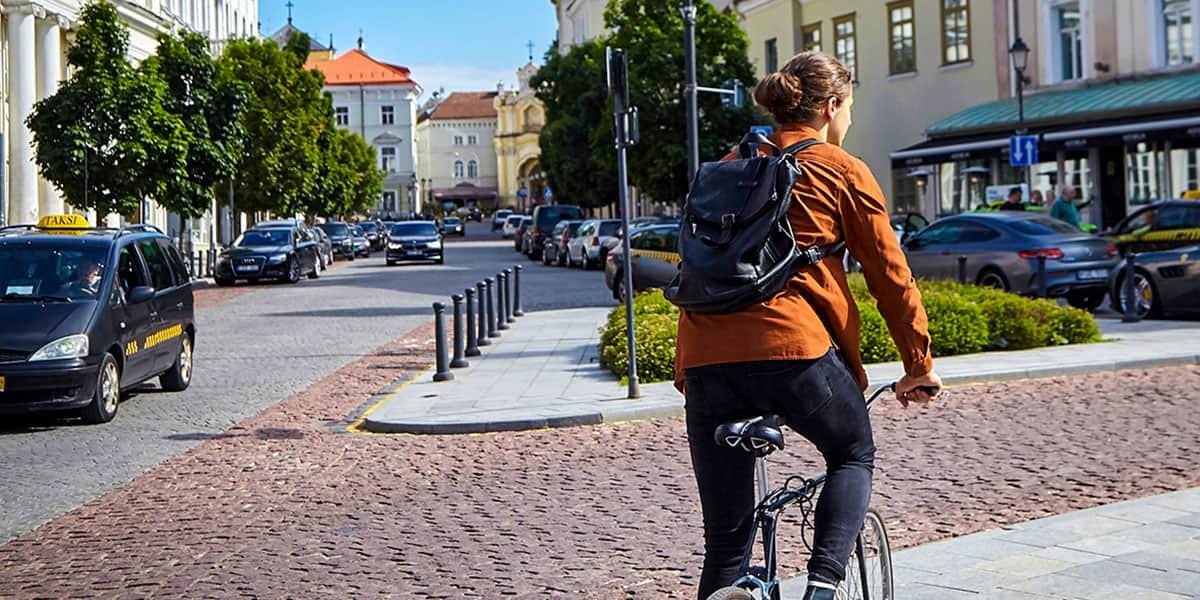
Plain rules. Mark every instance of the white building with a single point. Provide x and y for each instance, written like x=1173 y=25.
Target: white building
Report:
x=378 y=101
x=457 y=159
x=583 y=20
x=35 y=35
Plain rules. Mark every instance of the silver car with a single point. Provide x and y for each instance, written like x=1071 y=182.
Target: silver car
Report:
x=1002 y=251
x=1164 y=282
x=587 y=249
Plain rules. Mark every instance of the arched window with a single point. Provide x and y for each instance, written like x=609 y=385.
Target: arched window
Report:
x=458 y=168
x=472 y=169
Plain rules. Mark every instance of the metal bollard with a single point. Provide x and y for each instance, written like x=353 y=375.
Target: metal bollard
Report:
x=491 y=310
x=962 y=270
x=508 y=303
x=481 y=337
x=458 y=361
x=1130 y=310
x=501 y=301
x=1041 y=276
x=439 y=323
x=517 y=291
x=212 y=260
x=472 y=342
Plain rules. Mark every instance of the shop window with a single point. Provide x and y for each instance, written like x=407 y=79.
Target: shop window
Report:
x=810 y=37
x=901 y=41
x=1177 y=24
x=845 y=43
x=906 y=197
x=1142 y=169
x=1067 y=41
x=1192 y=170
x=771 y=56
x=956 y=31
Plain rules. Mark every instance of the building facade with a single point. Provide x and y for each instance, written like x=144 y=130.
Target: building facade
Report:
x=34 y=37
x=520 y=118
x=378 y=101
x=456 y=164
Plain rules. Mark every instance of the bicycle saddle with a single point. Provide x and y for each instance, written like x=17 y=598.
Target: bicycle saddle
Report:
x=759 y=436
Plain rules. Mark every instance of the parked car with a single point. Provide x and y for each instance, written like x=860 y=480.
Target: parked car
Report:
x=1165 y=282
x=1160 y=226
x=454 y=226
x=325 y=245
x=519 y=233
x=555 y=251
x=545 y=217
x=285 y=253
x=500 y=218
x=907 y=224
x=1002 y=249
x=590 y=247
x=511 y=223
x=341 y=237
x=374 y=232
x=415 y=240
x=654 y=259
x=362 y=246
x=472 y=213
x=89 y=313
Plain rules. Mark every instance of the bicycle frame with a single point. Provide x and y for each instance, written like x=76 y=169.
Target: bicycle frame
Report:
x=766 y=515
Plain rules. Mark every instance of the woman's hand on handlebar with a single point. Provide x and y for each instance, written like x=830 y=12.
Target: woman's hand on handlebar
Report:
x=920 y=389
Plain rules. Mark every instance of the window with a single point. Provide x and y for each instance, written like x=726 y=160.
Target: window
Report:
x=942 y=233
x=1178 y=216
x=901 y=41
x=129 y=271
x=160 y=272
x=472 y=140
x=458 y=140
x=974 y=233
x=845 y=46
x=472 y=170
x=810 y=37
x=387 y=159
x=458 y=168
x=1177 y=31
x=387 y=115
x=1192 y=170
x=175 y=259
x=341 y=116
x=771 y=56
x=905 y=198
x=1068 y=41
x=956 y=31
x=389 y=201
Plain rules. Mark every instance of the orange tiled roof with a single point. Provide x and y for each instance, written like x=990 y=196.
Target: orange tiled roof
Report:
x=355 y=67
x=466 y=105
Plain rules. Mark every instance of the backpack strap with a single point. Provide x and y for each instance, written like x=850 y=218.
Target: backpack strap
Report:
x=800 y=146
x=748 y=147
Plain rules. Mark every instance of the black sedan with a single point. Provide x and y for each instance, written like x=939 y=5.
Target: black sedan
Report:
x=374 y=233
x=1164 y=282
x=284 y=253
x=1002 y=251
x=454 y=226
x=415 y=240
x=342 y=238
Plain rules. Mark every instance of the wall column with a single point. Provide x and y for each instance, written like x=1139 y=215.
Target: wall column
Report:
x=49 y=74
x=23 y=189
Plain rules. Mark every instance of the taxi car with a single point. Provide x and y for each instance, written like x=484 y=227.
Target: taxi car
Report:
x=1160 y=226
x=88 y=313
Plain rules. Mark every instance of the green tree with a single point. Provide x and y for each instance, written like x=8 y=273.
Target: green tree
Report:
x=284 y=118
x=209 y=102
x=577 y=158
x=348 y=181
x=104 y=137
x=650 y=31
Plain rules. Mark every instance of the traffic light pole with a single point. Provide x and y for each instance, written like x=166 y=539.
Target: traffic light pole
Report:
x=690 y=89
x=625 y=122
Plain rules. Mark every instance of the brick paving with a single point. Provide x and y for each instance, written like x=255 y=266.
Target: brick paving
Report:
x=287 y=504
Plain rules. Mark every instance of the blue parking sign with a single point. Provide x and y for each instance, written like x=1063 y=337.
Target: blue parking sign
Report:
x=766 y=130
x=1023 y=150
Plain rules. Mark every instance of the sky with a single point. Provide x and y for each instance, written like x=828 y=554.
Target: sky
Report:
x=458 y=45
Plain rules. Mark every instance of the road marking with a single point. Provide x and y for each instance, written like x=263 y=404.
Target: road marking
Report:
x=356 y=426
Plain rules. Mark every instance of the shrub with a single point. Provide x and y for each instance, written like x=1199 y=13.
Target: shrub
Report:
x=1016 y=323
x=656 y=324
x=956 y=325
x=877 y=344
x=1074 y=326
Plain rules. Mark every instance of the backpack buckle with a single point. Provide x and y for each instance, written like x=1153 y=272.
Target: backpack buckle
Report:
x=814 y=254
x=727 y=220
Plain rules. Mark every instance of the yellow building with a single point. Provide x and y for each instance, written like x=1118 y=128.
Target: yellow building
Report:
x=915 y=62
x=519 y=120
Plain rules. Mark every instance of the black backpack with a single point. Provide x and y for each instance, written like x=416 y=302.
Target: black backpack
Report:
x=735 y=240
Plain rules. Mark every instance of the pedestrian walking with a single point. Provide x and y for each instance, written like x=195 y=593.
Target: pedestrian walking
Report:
x=797 y=354
x=1064 y=208
x=1036 y=198
x=1013 y=201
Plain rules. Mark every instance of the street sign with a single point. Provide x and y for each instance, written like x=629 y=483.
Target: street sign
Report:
x=766 y=130
x=1023 y=150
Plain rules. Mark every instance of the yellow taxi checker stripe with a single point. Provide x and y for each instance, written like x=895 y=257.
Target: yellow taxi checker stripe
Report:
x=159 y=337
x=671 y=257
x=1162 y=236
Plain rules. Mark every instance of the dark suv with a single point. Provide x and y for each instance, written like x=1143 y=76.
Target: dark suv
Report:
x=88 y=313
x=284 y=252
x=342 y=238
x=544 y=219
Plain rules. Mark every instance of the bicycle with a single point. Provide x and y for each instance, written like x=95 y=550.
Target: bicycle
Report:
x=869 y=570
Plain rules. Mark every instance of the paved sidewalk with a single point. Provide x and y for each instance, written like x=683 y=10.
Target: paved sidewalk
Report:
x=544 y=372
x=1146 y=549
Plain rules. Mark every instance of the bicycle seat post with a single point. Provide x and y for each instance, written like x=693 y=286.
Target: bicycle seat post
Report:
x=760 y=464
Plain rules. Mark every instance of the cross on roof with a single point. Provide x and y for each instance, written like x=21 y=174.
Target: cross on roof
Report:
x=530 y=46
x=289 y=6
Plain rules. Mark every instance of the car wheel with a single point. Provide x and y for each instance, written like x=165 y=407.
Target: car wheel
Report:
x=293 y=275
x=179 y=377
x=992 y=278
x=619 y=287
x=584 y=262
x=545 y=258
x=391 y=263
x=1088 y=301
x=1145 y=295
x=107 y=395
x=316 y=271
x=223 y=282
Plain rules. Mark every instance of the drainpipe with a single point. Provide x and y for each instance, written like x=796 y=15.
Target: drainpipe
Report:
x=362 y=111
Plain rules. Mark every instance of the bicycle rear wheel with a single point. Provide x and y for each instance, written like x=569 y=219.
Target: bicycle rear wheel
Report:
x=869 y=571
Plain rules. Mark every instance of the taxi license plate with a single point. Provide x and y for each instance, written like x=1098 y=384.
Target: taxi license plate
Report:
x=1 y=383
x=1092 y=274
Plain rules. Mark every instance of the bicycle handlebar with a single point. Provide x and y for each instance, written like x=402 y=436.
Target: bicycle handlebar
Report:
x=932 y=391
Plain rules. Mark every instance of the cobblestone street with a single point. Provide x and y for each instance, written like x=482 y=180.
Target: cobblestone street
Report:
x=288 y=504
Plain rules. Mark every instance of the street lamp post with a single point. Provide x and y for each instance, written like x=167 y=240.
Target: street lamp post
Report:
x=1019 y=53
x=689 y=88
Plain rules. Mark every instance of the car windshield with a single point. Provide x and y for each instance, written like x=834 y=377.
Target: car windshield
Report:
x=549 y=215
x=369 y=227
x=335 y=229
x=451 y=221
x=47 y=273
x=414 y=229
x=513 y=221
x=264 y=237
x=1041 y=226
x=610 y=228
x=359 y=231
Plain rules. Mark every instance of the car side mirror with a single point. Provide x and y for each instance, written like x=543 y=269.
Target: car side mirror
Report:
x=913 y=243
x=140 y=294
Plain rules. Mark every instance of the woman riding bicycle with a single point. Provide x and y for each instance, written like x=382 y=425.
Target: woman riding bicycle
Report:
x=797 y=354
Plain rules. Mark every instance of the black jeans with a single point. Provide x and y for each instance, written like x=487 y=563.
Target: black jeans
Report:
x=818 y=399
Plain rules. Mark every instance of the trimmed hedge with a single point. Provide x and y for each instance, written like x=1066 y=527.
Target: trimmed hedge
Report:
x=962 y=319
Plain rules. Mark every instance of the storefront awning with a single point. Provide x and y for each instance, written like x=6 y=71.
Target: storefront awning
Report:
x=465 y=191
